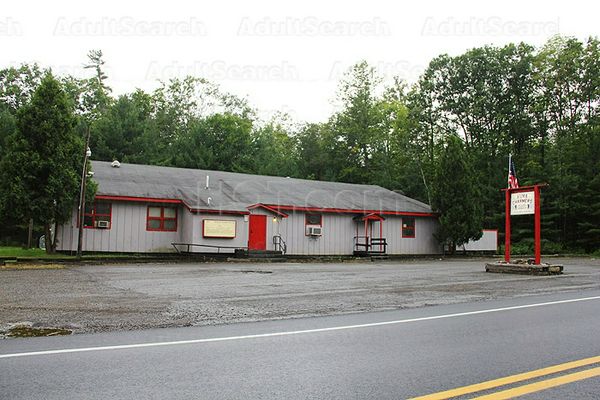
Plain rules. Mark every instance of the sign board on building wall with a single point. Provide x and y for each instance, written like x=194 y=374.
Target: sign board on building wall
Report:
x=218 y=228
x=522 y=203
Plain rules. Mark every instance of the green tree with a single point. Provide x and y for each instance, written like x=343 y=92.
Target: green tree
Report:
x=274 y=150
x=40 y=174
x=455 y=196
x=315 y=145
x=486 y=97
x=219 y=142
x=119 y=131
x=180 y=109
x=17 y=84
x=395 y=159
x=96 y=97
x=568 y=98
x=8 y=126
x=356 y=125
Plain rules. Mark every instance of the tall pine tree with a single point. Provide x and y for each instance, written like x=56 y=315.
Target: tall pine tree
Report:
x=455 y=196
x=40 y=172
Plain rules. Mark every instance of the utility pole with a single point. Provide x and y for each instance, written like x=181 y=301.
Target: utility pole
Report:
x=81 y=211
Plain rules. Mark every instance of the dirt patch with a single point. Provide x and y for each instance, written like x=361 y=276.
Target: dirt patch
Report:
x=29 y=266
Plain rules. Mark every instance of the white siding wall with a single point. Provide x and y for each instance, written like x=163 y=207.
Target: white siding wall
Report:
x=339 y=231
x=240 y=240
x=487 y=242
x=127 y=232
x=186 y=227
x=423 y=243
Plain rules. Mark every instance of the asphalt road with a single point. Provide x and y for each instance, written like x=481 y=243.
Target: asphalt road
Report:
x=379 y=355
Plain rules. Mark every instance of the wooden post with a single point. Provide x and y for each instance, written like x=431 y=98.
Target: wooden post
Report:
x=507 y=228
x=367 y=234
x=30 y=234
x=380 y=235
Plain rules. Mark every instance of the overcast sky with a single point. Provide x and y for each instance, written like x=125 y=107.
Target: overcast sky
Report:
x=285 y=57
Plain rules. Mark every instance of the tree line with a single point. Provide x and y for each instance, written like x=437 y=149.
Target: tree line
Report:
x=444 y=140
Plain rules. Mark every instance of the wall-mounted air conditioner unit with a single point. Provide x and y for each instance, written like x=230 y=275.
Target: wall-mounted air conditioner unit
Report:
x=314 y=231
x=102 y=224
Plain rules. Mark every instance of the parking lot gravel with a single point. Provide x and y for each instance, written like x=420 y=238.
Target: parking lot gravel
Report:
x=93 y=298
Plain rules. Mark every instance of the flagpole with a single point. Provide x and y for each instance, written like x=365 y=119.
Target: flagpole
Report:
x=507 y=215
x=509 y=164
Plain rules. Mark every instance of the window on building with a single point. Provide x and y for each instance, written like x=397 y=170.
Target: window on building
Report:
x=313 y=219
x=313 y=225
x=97 y=215
x=408 y=227
x=161 y=219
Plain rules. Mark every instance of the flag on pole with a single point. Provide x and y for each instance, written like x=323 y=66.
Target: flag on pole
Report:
x=513 y=183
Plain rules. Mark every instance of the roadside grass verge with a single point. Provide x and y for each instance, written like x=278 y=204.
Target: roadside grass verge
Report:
x=13 y=257
x=13 y=251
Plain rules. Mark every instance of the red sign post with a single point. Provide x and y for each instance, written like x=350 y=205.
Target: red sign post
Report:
x=522 y=201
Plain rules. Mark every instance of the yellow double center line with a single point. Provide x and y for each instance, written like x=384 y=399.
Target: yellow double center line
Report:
x=525 y=389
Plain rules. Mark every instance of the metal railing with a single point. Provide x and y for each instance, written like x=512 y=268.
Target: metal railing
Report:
x=380 y=244
x=210 y=246
x=279 y=244
x=361 y=243
x=370 y=245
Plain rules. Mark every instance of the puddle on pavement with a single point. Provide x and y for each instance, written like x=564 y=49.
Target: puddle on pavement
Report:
x=256 y=272
x=28 y=331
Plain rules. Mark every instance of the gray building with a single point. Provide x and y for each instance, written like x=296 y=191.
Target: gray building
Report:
x=140 y=208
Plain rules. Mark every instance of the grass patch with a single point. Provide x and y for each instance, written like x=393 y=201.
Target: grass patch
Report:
x=11 y=251
x=22 y=255
x=28 y=331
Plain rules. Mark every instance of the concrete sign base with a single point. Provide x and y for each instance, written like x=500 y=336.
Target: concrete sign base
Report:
x=524 y=267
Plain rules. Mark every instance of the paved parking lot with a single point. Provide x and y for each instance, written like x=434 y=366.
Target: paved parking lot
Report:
x=93 y=298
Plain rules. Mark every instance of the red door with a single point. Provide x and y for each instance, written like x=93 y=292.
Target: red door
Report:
x=257 y=238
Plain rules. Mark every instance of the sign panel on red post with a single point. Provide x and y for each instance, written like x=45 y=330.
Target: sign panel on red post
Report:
x=522 y=203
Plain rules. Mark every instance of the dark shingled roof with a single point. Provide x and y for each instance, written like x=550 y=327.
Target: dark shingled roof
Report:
x=231 y=191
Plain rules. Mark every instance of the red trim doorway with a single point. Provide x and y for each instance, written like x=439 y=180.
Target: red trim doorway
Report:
x=257 y=235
